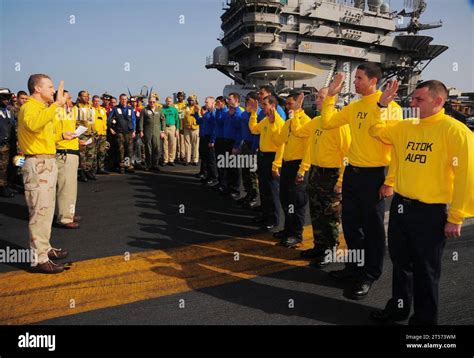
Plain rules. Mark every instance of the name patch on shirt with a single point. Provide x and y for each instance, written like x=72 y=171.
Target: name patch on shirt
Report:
x=418 y=147
x=362 y=115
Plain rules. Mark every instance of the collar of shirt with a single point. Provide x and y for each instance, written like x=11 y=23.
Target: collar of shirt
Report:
x=374 y=97
x=432 y=119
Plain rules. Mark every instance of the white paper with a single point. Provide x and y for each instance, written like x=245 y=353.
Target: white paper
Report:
x=89 y=141
x=80 y=130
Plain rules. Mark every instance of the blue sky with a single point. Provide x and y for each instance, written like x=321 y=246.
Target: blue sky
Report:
x=93 y=52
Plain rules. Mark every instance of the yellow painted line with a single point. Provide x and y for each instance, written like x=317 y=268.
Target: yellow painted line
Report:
x=112 y=281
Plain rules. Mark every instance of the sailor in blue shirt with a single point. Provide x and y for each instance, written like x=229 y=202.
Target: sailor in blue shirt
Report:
x=266 y=91
x=7 y=141
x=221 y=112
x=122 y=125
x=246 y=144
x=206 y=118
x=232 y=130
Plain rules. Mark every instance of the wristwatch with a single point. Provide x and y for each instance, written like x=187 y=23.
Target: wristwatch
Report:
x=381 y=106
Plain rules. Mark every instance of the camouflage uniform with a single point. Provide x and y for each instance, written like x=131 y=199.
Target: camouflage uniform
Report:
x=102 y=147
x=122 y=120
x=325 y=208
x=4 y=161
x=7 y=144
x=125 y=149
x=88 y=153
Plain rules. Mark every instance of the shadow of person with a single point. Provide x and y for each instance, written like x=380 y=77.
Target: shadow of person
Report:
x=21 y=253
x=15 y=211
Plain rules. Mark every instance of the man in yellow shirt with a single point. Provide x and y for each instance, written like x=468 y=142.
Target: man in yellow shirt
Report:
x=191 y=133
x=324 y=157
x=87 y=141
x=67 y=160
x=365 y=185
x=269 y=159
x=293 y=198
x=37 y=141
x=435 y=168
x=102 y=146
x=180 y=105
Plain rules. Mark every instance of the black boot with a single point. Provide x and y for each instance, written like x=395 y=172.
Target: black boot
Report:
x=6 y=192
x=82 y=176
x=90 y=175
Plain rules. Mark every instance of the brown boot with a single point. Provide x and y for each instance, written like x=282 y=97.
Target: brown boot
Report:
x=48 y=267
x=73 y=225
x=57 y=254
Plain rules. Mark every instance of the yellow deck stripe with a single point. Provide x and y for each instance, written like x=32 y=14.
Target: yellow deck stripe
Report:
x=112 y=281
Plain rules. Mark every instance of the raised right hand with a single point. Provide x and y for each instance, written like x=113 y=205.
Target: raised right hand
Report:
x=271 y=116
x=299 y=102
x=60 y=99
x=253 y=105
x=336 y=85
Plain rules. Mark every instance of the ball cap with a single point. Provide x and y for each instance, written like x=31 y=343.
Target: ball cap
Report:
x=5 y=93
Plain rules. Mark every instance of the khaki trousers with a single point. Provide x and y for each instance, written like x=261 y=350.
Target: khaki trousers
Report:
x=182 y=145
x=40 y=177
x=169 y=144
x=191 y=141
x=66 y=195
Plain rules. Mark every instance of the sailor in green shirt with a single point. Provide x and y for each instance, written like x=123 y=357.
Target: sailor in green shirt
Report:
x=171 y=131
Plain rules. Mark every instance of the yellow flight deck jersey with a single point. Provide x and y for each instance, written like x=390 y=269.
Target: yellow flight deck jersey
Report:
x=189 y=119
x=100 y=120
x=86 y=118
x=326 y=148
x=365 y=150
x=36 y=128
x=435 y=158
x=66 y=122
x=266 y=131
x=181 y=107
x=295 y=144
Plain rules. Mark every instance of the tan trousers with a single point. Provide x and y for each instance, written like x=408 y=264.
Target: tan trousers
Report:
x=182 y=145
x=40 y=177
x=67 y=187
x=191 y=139
x=169 y=144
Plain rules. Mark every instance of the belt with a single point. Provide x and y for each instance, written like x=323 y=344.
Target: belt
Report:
x=325 y=170
x=41 y=156
x=365 y=169
x=170 y=125
x=67 y=151
x=289 y=162
x=413 y=202
x=266 y=154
